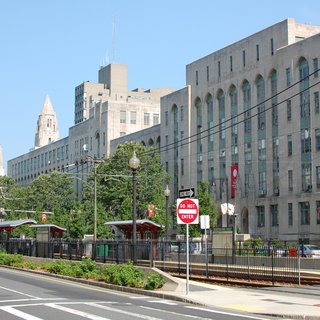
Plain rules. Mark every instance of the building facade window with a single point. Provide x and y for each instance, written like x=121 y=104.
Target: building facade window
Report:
x=290 y=214
x=231 y=64
x=260 y=216
x=133 y=117
x=182 y=136
x=315 y=67
x=243 y=58
x=288 y=76
x=122 y=134
x=318 y=176
x=316 y=102
x=318 y=211
x=122 y=116
x=289 y=144
x=167 y=142
x=289 y=113
x=156 y=119
x=274 y=215
x=219 y=70
x=208 y=77
x=317 y=135
x=272 y=46
x=290 y=180
x=305 y=141
x=146 y=119
x=182 y=166
x=304 y=213
x=197 y=77
x=166 y=118
x=181 y=113
x=257 y=52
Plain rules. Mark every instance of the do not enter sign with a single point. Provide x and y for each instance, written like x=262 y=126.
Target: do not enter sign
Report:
x=187 y=211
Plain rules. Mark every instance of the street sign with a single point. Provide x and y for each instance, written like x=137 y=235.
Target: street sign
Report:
x=204 y=222
x=187 y=211
x=186 y=193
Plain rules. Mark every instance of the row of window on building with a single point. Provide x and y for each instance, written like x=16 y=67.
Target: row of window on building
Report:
x=40 y=161
x=133 y=118
x=304 y=214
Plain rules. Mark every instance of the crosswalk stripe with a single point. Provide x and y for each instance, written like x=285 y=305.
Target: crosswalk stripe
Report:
x=20 y=314
x=136 y=315
x=76 y=312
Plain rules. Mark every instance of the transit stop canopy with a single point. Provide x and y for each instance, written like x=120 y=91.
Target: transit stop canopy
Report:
x=50 y=230
x=143 y=226
x=10 y=225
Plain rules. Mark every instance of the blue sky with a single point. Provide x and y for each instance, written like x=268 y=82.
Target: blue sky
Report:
x=50 y=47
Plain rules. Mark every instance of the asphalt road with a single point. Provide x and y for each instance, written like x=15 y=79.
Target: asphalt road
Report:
x=31 y=296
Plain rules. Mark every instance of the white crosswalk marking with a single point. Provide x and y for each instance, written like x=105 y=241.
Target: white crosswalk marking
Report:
x=20 y=314
x=76 y=312
x=136 y=315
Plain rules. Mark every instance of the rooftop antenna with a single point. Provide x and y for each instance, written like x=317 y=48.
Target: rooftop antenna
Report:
x=113 y=39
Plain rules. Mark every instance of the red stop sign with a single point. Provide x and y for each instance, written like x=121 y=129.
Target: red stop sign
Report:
x=188 y=211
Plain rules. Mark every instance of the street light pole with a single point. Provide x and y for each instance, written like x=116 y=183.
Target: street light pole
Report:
x=95 y=204
x=167 y=195
x=134 y=164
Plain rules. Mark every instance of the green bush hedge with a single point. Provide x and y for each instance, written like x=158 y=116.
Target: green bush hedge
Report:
x=119 y=274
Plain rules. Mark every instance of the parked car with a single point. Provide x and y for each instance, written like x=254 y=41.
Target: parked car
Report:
x=309 y=251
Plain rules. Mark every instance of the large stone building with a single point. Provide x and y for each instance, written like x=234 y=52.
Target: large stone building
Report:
x=249 y=119
x=103 y=111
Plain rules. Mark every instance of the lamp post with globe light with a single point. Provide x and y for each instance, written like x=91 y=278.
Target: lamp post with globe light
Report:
x=134 y=164
x=167 y=195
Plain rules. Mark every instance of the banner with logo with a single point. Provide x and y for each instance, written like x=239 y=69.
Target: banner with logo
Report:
x=234 y=176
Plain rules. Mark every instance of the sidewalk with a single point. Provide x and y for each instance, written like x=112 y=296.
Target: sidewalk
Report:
x=283 y=302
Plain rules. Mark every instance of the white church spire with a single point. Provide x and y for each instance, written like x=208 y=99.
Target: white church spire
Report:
x=47 y=126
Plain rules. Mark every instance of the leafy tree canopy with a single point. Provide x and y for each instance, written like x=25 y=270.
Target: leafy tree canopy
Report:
x=115 y=185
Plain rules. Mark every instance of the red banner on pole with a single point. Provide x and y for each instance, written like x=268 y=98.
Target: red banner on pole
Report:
x=234 y=175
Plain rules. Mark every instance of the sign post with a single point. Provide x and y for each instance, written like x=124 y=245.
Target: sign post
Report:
x=204 y=224
x=187 y=213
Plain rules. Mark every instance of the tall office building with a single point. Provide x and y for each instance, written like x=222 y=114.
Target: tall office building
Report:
x=248 y=122
x=103 y=111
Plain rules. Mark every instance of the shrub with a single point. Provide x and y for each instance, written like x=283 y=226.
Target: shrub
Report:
x=56 y=267
x=11 y=259
x=154 y=281
x=122 y=275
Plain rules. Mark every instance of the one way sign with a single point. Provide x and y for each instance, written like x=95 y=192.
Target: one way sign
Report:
x=186 y=193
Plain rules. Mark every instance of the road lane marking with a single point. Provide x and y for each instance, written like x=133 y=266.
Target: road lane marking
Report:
x=226 y=313
x=19 y=292
x=37 y=299
x=176 y=313
x=136 y=315
x=20 y=314
x=76 y=312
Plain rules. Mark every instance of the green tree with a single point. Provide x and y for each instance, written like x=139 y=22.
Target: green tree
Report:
x=114 y=186
x=11 y=194
x=52 y=192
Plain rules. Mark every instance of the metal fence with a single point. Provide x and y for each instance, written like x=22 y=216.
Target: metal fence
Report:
x=250 y=264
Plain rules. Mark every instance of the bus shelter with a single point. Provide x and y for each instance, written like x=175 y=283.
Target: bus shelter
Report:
x=8 y=226
x=45 y=233
x=146 y=230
